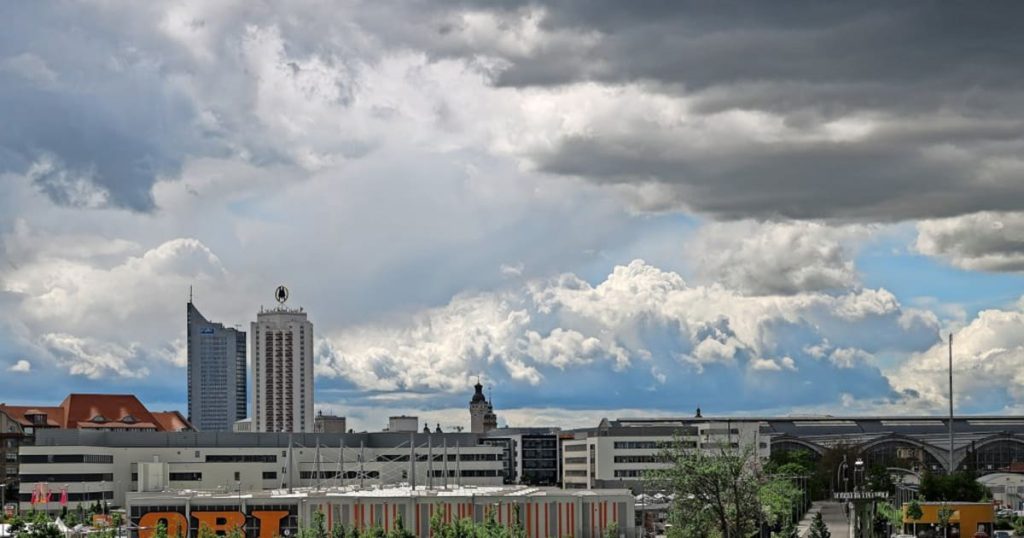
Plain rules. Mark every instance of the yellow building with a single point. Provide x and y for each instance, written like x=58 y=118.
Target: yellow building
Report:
x=967 y=518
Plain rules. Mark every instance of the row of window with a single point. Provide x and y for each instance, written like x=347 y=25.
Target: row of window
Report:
x=190 y=476
x=637 y=444
x=575 y=473
x=67 y=458
x=577 y=448
x=68 y=477
x=241 y=458
x=639 y=459
x=629 y=473
x=571 y=461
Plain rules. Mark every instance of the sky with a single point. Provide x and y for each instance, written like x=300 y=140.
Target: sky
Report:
x=602 y=209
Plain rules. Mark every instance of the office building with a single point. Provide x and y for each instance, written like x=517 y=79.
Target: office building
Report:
x=107 y=464
x=533 y=454
x=217 y=395
x=329 y=423
x=481 y=414
x=620 y=453
x=403 y=423
x=282 y=369
x=542 y=512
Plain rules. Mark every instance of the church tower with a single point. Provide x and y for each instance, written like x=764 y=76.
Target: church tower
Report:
x=481 y=415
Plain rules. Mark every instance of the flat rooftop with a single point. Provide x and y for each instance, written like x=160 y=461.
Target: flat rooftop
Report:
x=387 y=491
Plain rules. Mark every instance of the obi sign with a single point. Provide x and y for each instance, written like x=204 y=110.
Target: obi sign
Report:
x=258 y=523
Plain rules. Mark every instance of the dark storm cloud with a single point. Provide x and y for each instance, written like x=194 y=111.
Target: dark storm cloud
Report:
x=93 y=103
x=901 y=65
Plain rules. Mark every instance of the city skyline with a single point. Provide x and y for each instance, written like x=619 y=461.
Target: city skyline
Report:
x=602 y=212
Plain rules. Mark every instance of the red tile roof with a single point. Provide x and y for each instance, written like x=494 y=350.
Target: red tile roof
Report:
x=172 y=421
x=99 y=411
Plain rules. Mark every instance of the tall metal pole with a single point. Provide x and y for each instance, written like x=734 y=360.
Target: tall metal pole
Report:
x=951 y=403
x=341 y=462
x=430 y=462
x=412 y=461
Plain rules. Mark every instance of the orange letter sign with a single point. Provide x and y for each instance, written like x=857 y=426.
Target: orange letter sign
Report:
x=270 y=522
x=220 y=522
x=176 y=524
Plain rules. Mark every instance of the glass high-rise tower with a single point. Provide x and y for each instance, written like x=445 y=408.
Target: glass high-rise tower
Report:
x=217 y=394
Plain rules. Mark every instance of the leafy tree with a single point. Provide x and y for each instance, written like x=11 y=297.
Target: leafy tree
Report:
x=789 y=531
x=960 y=486
x=818 y=527
x=399 y=530
x=778 y=498
x=161 y=530
x=205 y=531
x=339 y=531
x=914 y=513
x=1018 y=526
x=612 y=531
x=725 y=484
x=945 y=512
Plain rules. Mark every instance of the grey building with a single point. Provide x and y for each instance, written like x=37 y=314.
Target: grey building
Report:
x=217 y=392
x=533 y=454
x=95 y=465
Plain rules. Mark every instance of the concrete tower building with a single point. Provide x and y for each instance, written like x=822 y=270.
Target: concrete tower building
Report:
x=481 y=415
x=216 y=373
x=282 y=369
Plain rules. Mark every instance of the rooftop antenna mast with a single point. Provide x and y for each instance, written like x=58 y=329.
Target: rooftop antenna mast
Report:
x=951 y=403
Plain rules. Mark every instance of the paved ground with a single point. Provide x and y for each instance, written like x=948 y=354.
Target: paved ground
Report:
x=834 y=516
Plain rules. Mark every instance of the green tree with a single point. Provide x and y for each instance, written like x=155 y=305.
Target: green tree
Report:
x=1018 y=526
x=612 y=531
x=726 y=484
x=205 y=531
x=945 y=512
x=961 y=486
x=914 y=514
x=161 y=530
x=818 y=527
x=399 y=530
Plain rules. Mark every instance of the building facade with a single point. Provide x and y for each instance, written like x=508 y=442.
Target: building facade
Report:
x=540 y=512
x=533 y=454
x=329 y=424
x=481 y=414
x=620 y=453
x=107 y=465
x=217 y=395
x=11 y=436
x=282 y=370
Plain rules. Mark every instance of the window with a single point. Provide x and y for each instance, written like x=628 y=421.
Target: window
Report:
x=637 y=459
x=269 y=475
x=238 y=476
x=629 y=473
x=68 y=477
x=187 y=477
x=241 y=458
x=636 y=444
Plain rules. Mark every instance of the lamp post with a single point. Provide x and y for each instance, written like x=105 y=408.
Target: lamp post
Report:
x=841 y=473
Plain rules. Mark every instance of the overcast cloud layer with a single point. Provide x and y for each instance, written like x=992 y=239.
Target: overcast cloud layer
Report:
x=601 y=208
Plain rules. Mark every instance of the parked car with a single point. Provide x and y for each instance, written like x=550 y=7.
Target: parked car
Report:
x=1002 y=534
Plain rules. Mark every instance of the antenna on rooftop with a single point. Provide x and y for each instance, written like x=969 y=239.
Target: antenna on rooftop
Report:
x=190 y=294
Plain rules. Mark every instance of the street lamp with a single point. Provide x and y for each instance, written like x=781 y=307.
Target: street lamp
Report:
x=858 y=465
x=841 y=472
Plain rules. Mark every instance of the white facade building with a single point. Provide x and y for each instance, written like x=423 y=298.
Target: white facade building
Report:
x=619 y=453
x=106 y=465
x=282 y=369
